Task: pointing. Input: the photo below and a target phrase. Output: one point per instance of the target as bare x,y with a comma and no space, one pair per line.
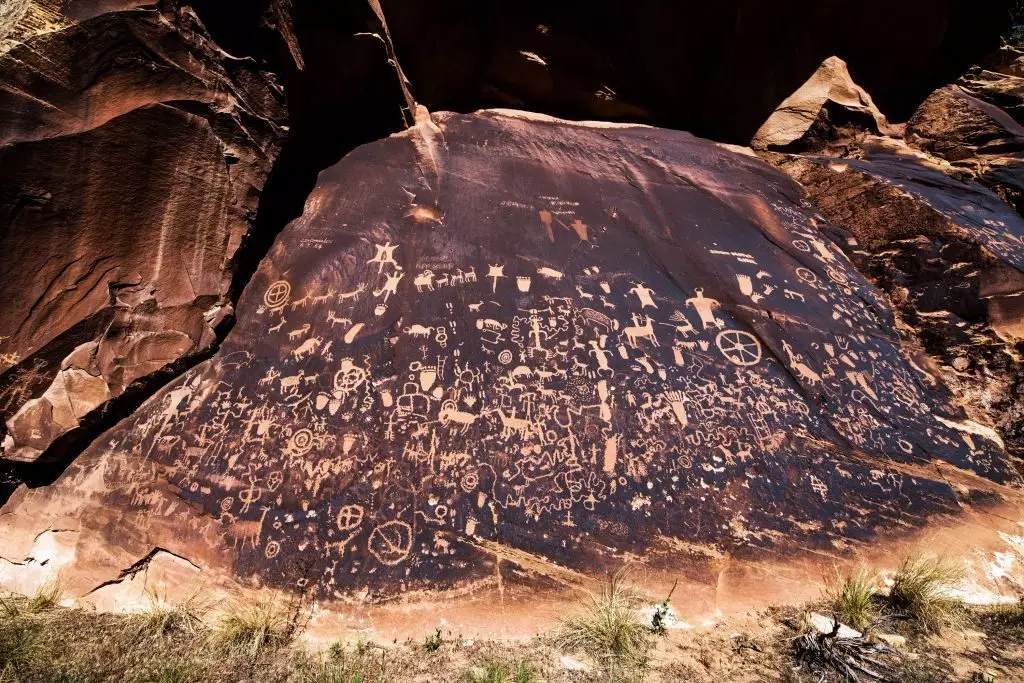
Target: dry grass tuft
922,588
46,597
609,628
254,627
162,617
852,598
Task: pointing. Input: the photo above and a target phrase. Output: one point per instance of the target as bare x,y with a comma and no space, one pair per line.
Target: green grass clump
433,642
609,628
852,598
499,672
922,588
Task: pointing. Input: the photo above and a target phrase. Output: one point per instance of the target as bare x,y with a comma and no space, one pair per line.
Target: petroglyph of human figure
385,255
495,272
644,294
705,308
601,355
390,285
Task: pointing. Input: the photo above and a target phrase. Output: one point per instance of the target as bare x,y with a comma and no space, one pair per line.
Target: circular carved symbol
302,441
505,357
837,276
806,275
391,542
349,517
469,481
802,245
272,549
349,378
739,347
277,294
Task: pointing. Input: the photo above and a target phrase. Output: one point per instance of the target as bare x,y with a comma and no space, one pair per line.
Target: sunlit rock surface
132,154
501,349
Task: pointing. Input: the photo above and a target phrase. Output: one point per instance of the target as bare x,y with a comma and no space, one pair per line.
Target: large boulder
501,351
829,106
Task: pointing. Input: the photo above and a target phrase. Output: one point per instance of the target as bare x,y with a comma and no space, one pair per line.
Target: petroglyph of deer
332,318
298,332
637,332
290,384
307,347
512,425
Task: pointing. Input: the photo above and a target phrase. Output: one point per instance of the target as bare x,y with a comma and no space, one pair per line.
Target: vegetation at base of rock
661,613
77,646
851,598
255,627
433,642
162,616
499,672
47,596
921,590
608,628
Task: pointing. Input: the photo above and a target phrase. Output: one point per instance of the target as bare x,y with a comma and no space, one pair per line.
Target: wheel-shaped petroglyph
277,294
391,542
349,517
739,347
349,378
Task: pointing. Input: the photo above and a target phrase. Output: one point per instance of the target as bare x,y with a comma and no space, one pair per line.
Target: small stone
823,624
890,639
962,363
571,664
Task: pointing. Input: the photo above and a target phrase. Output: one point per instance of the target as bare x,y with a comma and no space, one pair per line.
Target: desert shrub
921,590
852,598
609,628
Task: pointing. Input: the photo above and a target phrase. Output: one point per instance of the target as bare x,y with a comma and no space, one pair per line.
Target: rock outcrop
132,152
497,353
819,112
458,371
934,229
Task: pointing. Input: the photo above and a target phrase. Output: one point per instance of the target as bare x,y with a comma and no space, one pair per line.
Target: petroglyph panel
570,341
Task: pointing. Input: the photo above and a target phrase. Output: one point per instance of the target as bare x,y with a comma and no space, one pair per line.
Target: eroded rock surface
933,228
819,111
501,349
132,153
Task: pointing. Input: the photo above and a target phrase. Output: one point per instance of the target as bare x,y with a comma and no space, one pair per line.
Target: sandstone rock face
933,230
813,115
503,350
132,152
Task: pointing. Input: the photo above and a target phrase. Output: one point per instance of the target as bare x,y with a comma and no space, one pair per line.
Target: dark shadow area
717,70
